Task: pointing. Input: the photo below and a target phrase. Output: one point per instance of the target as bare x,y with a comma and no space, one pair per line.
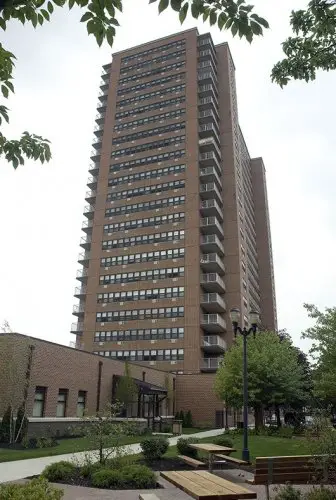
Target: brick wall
59,367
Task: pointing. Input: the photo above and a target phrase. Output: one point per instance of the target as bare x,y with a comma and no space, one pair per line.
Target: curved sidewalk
19,469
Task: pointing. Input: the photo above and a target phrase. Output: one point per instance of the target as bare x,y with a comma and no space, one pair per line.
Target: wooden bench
191,461
233,460
292,469
203,485
148,496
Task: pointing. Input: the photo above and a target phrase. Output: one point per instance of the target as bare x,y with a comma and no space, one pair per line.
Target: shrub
285,432
139,477
288,493
223,440
155,447
44,442
188,421
59,471
320,493
6,425
108,478
184,448
182,418
88,469
37,489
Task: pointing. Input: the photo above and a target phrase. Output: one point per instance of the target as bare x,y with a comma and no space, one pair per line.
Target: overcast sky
56,80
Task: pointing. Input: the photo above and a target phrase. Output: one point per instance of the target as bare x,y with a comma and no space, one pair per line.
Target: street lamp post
254,320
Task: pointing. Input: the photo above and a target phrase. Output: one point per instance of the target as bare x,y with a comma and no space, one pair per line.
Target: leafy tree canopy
275,376
313,47
323,351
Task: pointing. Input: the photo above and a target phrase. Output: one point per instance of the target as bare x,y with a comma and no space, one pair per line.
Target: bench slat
187,486
235,488
191,461
148,496
232,459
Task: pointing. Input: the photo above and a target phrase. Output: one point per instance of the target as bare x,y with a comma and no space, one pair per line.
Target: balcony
97,143
84,258
85,242
210,243
213,344
213,302
104,87
87,226
207,130
210,145
94,168
210,208
90,196
82,275
211,159
212,263
210,364
213,323
100,119
101,106
212,282
95,156
88,211
77,327
78,310
207,116
210,191
209,174
206,76
80,292
92,182
211,225
208,102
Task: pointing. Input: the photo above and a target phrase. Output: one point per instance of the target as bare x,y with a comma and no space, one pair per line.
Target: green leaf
34,19
71,4
2,23
114,22
92,26
50,7
45,14
10,86
249,36
110,37
85,17
163,4
175,4
195,11
234,28
213,18
183,12
4,91
222,18
59,3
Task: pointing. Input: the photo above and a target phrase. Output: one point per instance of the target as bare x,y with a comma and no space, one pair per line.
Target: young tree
127,389
274,375
323,352
105,432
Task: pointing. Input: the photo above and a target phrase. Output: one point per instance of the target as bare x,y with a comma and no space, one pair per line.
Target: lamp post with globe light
254,320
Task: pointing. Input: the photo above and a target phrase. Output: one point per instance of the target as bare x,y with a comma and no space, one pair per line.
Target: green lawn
71,445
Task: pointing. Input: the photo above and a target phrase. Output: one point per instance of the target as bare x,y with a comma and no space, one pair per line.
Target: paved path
19,469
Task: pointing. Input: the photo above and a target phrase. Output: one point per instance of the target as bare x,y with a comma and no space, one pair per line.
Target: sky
57,80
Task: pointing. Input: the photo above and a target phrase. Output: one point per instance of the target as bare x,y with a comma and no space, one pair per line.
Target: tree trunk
277,414
258,417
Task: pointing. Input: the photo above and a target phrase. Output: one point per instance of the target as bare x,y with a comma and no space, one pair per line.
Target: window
151,83
81,403
145,206
149,133
138,314
147,160
149,107
39,401
149,174
62,403
164,143
144,239
155,71
145,190
142,97
149,52
155,60
147,275
147,294
174,253
146,355
151,119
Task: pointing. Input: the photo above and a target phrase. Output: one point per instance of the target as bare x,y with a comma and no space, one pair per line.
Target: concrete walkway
19,469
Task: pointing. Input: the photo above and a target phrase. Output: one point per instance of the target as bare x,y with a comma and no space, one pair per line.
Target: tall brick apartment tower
177,227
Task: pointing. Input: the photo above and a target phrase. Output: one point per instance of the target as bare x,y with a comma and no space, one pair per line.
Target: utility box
177,427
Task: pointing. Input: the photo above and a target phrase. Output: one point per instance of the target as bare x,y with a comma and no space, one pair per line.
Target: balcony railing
212,262
212,282
210,225
87,226
210,174
80,291
77,327
213,302
89,211
209,144
82,274
213,323
211,243
209,191
83,257
85,242
90,196
210,364
211,207
78,309
92,181
213,343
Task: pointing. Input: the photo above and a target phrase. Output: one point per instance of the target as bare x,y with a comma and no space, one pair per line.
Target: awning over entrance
145,387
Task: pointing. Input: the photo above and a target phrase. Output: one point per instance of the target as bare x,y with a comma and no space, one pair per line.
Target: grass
70,445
